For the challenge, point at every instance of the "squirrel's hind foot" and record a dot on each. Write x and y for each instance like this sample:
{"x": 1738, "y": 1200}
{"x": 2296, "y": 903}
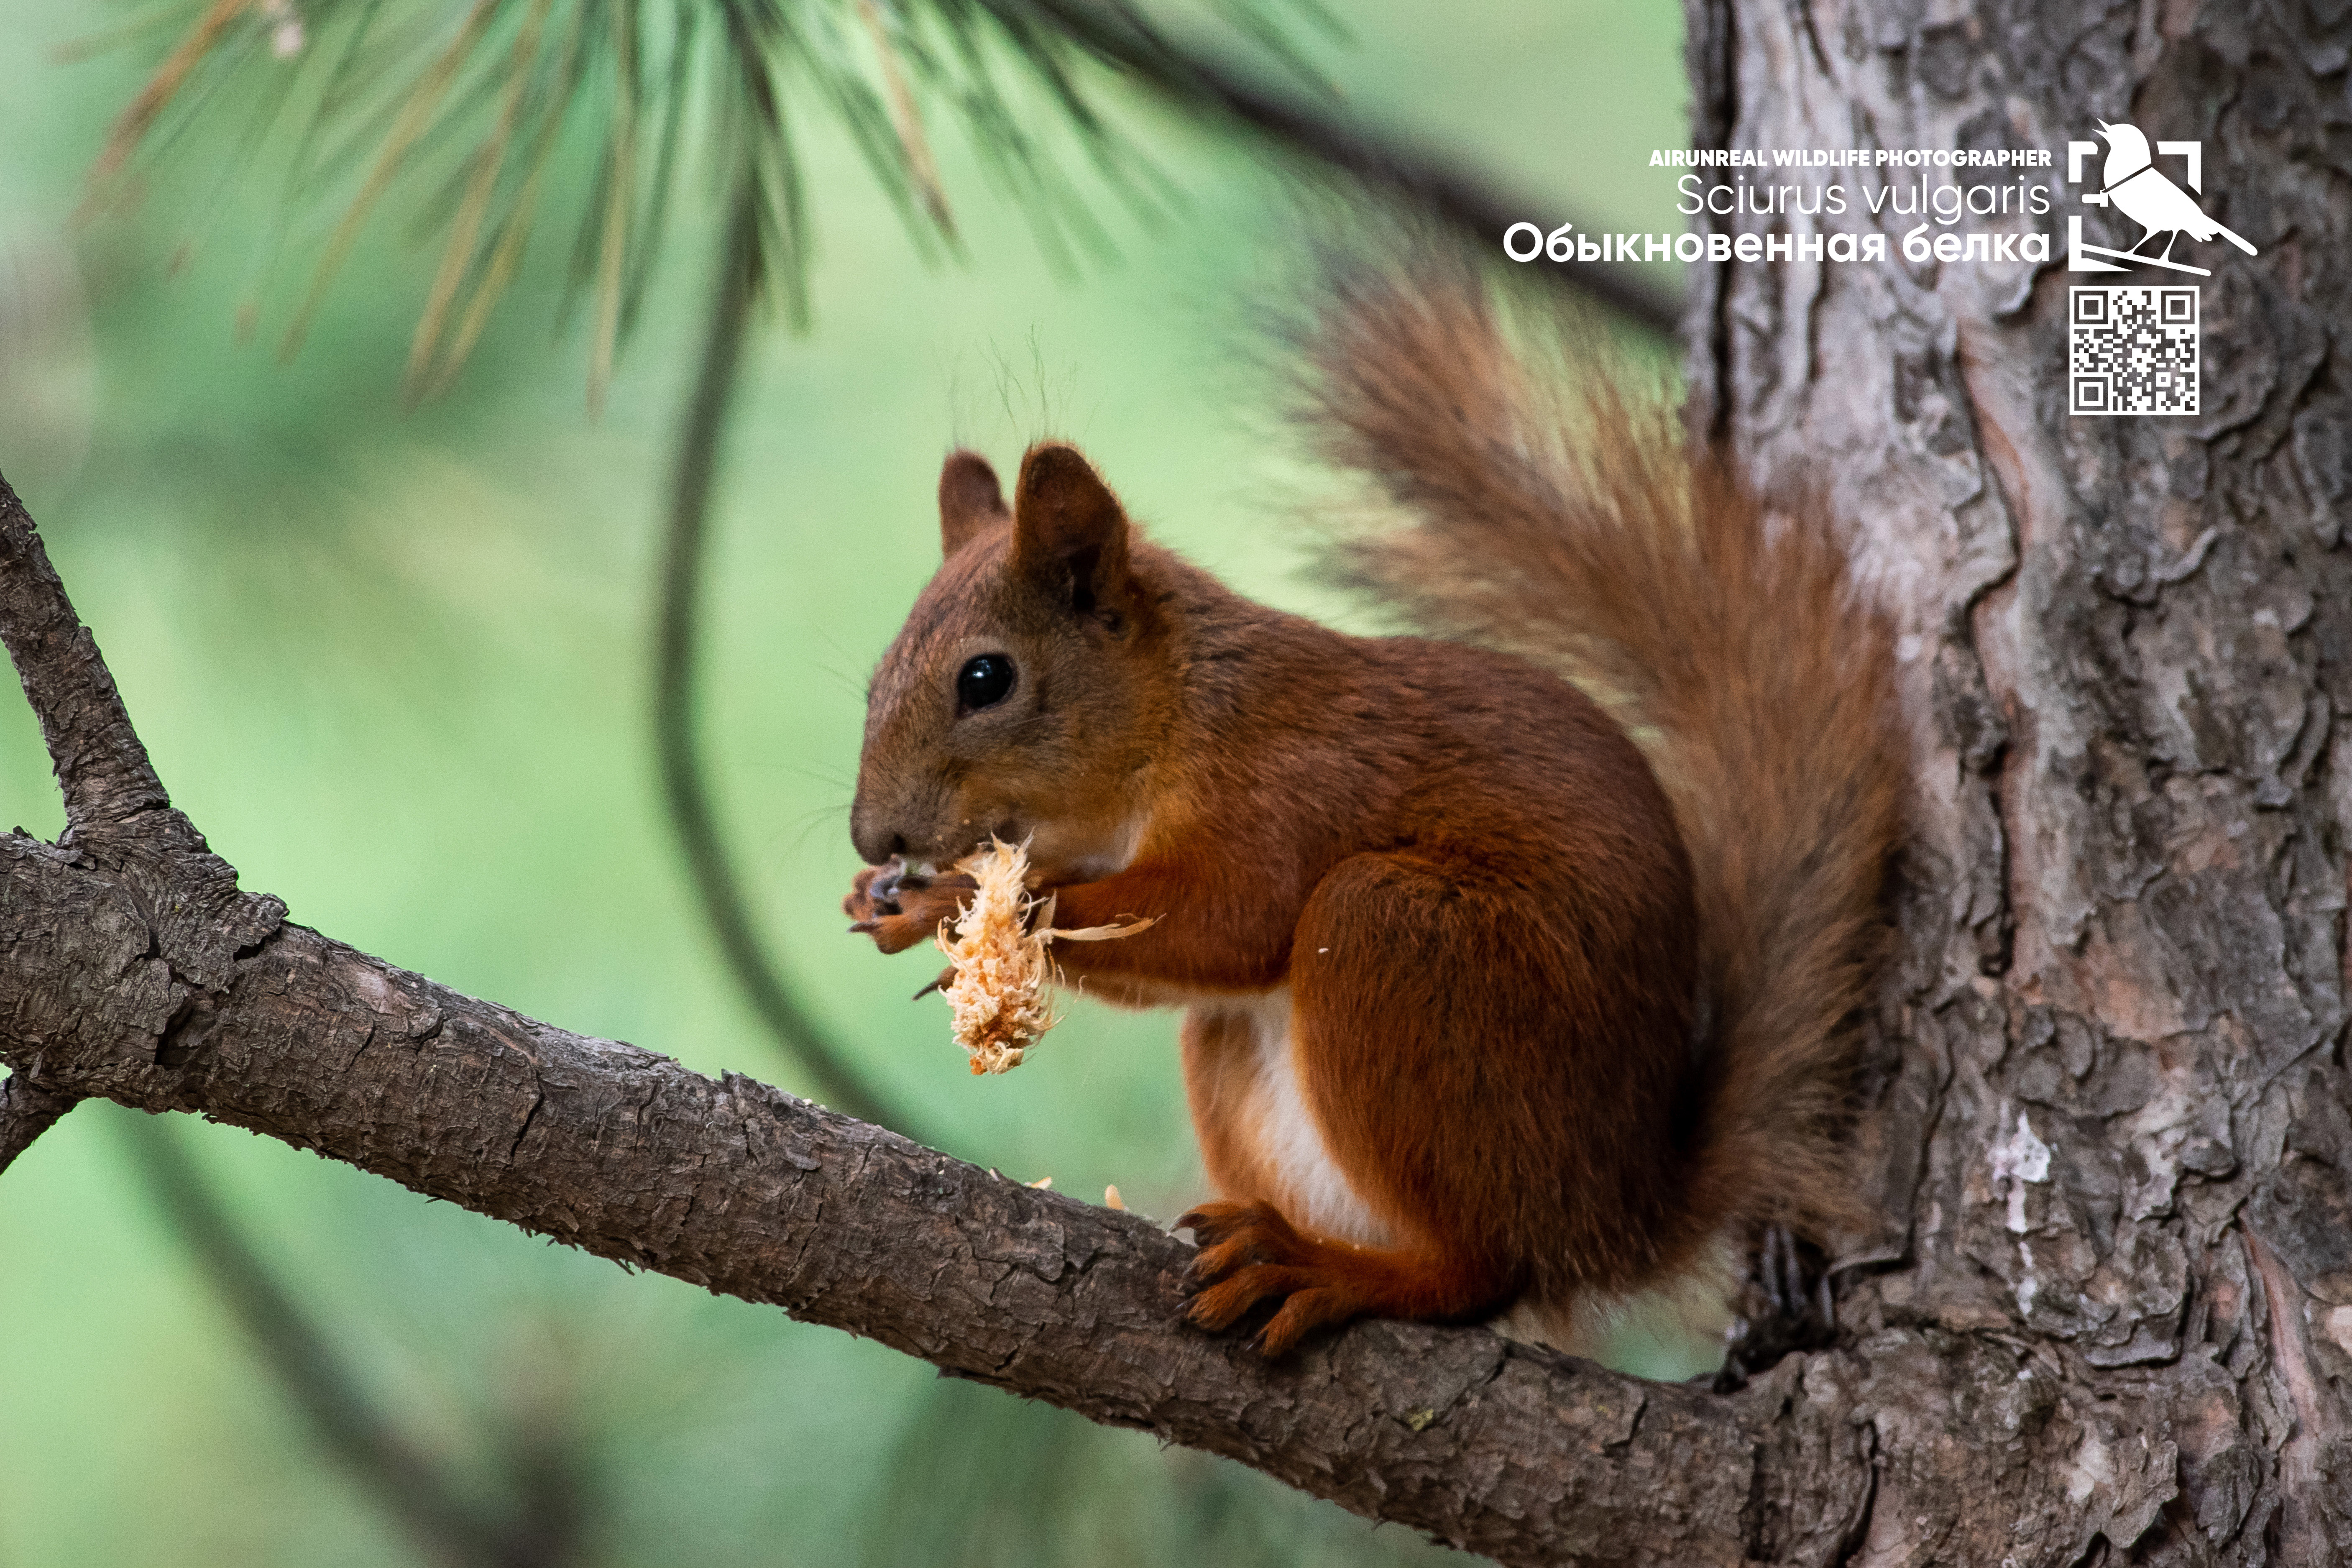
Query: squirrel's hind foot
{"x": 1250, "y": 1254}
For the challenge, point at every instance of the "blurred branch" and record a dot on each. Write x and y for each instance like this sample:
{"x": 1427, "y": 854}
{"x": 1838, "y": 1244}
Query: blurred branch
{"x": 1524, "y": 1454}
{"x": 1202, "y": 84}
{"x": 25, "y": 1113}
{"x": 445, "y": 1525}
{"x": 686, "y": 793}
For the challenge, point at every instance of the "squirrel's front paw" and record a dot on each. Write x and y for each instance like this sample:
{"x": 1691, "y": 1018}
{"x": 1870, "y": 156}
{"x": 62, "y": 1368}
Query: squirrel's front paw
{"x": 898, "y": 906}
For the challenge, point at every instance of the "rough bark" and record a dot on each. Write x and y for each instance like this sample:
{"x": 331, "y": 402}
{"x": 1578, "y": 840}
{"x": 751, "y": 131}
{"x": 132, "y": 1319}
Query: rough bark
{"x": 2110, "y": 1134}
{"x": 25, "y": 1113}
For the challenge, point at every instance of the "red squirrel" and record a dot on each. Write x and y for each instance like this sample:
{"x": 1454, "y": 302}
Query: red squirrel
{"x": 1484, "y": 1007}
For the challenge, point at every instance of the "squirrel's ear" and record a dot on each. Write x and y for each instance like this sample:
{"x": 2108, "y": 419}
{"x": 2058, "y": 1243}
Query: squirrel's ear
{"x": 1068, "y": 529}
{"x": 970, "y": 500}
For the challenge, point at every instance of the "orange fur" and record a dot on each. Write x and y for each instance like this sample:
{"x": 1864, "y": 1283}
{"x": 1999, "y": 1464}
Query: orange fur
{"x": 1484, "y": 1007}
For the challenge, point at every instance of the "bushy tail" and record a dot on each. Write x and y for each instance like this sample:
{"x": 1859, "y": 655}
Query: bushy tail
{"x": 1551, "y": 515}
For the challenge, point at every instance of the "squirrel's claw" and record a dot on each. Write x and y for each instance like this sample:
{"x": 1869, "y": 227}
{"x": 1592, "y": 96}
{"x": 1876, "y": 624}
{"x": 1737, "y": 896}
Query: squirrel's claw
{"x": 1250, "y": 1255}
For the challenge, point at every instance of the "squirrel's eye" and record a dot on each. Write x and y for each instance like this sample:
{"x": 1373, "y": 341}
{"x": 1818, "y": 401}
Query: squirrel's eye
{"x": 986, "y": 681}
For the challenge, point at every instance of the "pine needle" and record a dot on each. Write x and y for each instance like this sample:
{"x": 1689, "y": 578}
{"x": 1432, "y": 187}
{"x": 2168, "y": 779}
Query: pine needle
{"x": 906, "y": 121}
{"x": 713, "y": 82}
{"x": 620, "y": 194}
{"x": 458, "y": 256}
{"x": 130, "y": 127}
{"x": 414, "y": 118}
{"x": 515, "y": 231}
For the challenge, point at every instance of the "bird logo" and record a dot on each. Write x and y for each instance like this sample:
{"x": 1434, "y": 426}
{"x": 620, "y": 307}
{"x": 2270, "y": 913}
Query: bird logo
{"x": 2131, "y": 184}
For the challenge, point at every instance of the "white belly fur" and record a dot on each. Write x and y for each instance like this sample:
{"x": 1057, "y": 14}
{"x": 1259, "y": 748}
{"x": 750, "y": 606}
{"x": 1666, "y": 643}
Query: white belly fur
{"x": 1313, "y": 1190}
{"x": 1672, "y": 1330}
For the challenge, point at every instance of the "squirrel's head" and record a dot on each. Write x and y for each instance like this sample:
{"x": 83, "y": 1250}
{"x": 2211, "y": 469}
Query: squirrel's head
{"x": 1021, "y": 698}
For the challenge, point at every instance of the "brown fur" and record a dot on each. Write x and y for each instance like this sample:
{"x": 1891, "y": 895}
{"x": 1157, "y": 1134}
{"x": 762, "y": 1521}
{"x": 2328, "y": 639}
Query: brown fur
{"x": 1561, "y": 521}
{"x": 1500, "y": 958}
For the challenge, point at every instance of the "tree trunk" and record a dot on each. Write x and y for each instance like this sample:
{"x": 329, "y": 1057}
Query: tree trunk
{"x": 2110, "y": 1311}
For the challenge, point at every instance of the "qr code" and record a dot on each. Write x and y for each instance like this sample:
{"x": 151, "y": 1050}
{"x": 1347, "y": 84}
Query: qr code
{"x": 2133, "y": 351}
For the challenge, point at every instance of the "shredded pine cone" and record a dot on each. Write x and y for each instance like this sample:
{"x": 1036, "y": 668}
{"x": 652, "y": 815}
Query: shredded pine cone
{"x": 1002, "y": 992}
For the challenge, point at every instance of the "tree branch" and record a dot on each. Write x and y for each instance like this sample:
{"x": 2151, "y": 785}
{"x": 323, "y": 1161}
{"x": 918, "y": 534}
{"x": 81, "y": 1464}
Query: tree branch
{"x": 25, "y": 1113}
{"x": 100, "y": 763}
{"x": 147, "y": 978}
{"x": 1202, "y": 84}
{"x": 744, "y": 1189}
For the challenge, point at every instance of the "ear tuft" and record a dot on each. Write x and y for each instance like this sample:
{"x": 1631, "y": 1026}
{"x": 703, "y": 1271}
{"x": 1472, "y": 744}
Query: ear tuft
{"x": 1068, "y": 526}
{"x": 970, "y": 500}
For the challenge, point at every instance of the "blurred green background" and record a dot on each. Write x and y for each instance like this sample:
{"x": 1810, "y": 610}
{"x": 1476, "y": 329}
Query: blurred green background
{"x": 393, "y": 666}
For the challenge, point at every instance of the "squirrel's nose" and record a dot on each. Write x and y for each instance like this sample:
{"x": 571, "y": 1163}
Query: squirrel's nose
{"x": 877, "y": 840}
{"x": 876, "y": 845}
